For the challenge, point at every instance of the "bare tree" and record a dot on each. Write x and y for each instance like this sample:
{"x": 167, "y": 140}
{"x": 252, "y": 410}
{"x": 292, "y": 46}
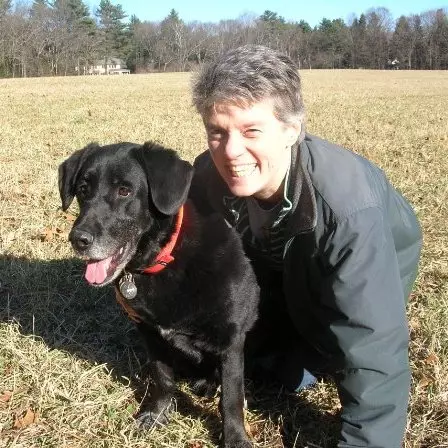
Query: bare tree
{"x": 198, "y": 39}
{"x": 145, "y": 36}
{"x": 16, "y": 32}
{"x": 440, "y": 39}
{"x": 74, "y": 35}
{"x": 379, "y": 29}
{"x": 419, "y": 48}
{"x": 5, "y": 12}
{"x": 403, "y": 42}
{"x": 358, "y": 40}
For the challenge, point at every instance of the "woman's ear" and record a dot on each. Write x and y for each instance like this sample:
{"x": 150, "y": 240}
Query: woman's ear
{"x": 293, "y": 133}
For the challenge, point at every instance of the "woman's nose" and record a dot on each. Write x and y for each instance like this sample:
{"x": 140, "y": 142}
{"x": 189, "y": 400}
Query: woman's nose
{"x": 234, "y": 145}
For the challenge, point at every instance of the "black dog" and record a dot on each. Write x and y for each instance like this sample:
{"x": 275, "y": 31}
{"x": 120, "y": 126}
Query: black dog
{"x": 182, "y": 276}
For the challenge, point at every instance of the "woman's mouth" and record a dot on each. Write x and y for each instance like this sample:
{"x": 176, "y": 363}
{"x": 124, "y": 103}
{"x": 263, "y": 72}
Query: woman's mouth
{"x": 242, "y": 170}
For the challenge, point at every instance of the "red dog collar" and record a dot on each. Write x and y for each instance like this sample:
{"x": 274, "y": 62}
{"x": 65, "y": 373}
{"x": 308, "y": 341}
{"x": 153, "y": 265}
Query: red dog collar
{"x": 161, "y": 261}
{"x": 165, "y": 257}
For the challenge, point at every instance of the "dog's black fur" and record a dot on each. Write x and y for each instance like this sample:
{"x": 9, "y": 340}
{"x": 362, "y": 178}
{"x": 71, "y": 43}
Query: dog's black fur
{"x": 196, "y": 312}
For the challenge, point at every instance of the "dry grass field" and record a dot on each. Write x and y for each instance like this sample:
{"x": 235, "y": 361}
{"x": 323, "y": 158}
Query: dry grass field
{"x": 71, "y": 364}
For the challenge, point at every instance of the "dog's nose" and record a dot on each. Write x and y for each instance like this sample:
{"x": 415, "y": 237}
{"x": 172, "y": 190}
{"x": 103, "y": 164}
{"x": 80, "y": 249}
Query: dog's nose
{"x": 81, "y": 239}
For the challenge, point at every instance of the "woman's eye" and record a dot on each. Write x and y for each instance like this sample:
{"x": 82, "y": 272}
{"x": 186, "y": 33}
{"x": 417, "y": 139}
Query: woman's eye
{"x": 124, "y": 191}
{"x": 214, "y": 133}
{"x": 252, "y": 133}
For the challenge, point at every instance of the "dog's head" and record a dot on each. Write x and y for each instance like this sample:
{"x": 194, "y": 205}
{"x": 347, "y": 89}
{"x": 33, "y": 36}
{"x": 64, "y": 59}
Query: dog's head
{"x": 124, "y": 191}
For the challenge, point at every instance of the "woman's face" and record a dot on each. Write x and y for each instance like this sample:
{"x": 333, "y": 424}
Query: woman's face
{"x": 251, "y": 148}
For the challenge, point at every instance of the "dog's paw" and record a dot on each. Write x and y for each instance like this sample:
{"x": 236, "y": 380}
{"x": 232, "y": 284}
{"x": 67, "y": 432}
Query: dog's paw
{"x": 149, "y": 419}
{"x": 157, "y": 416}
{"x": 204, "y": 388}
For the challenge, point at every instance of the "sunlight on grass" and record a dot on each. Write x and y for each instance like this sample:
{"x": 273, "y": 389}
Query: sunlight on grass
{"x": 71, "y": 365}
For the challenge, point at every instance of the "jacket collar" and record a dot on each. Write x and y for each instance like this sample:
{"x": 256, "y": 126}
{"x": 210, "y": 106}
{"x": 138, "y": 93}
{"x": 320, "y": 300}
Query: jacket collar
{"x": 303, "y": 217}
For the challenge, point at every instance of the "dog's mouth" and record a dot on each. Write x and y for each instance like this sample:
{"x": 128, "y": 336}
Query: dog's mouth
{"x": 101, "y": 272}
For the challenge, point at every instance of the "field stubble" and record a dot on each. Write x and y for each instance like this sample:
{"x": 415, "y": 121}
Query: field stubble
{"x": 70, "y": 361}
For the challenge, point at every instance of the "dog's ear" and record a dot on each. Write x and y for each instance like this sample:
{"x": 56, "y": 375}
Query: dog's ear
{"x": 68, "y": 173}
{"x": 169, "y": 177}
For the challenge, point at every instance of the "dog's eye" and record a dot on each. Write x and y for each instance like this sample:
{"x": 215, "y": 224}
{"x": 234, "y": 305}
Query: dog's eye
{"x": 124, "y": 191}
{"x": 82, "y": 190}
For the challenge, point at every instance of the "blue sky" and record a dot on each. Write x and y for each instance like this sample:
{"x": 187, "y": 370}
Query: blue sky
{"x": 311, "y": 11}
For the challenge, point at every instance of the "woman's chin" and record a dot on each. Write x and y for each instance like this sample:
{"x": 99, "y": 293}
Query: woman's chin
{"x": 243, "y": 186}
{"x": 242, "y": 190}
{"x": 255, "y": 190}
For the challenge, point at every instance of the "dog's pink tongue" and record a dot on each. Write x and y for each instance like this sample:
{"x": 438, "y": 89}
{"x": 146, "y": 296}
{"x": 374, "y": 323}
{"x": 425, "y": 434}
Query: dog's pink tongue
{"x": 96, "y": 271}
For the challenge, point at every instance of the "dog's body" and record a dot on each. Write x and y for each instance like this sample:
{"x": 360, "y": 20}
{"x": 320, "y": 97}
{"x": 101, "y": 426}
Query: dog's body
{"x": 195, "y": 312}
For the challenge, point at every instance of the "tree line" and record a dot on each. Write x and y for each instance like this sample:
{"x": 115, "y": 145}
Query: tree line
{"x": 61, "y": 37}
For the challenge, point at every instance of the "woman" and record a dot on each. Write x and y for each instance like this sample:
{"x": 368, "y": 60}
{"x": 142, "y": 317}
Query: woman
{"x": 334, "y": 245}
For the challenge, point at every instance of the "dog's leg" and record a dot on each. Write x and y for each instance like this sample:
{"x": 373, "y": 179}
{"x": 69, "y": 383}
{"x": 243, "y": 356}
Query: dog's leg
{"x": 157, "y": 408}
{"x": 161, "y": 395}
{"x": 231, "y": 404}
